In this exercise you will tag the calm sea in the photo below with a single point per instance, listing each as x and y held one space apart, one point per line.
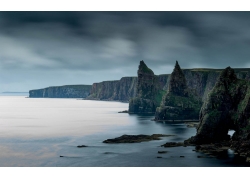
36 132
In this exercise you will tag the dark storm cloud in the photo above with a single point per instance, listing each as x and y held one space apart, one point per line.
87 47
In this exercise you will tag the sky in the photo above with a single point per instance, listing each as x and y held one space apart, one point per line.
41 49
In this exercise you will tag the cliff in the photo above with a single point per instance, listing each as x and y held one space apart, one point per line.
202 80
67 91
227 107
180 102
199 80
103 90
125 89
148 91
121 90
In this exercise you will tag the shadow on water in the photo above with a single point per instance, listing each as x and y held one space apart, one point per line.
145 123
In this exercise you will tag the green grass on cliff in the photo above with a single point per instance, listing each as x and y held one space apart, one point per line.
159 96
146 69
183 102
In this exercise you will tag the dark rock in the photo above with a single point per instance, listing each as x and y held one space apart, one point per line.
81 146
109 153
200 156
149 91
182 156
61 156
161 152
178 85
172 144
158 157
135 138
125 111
227 107
180 102
192 124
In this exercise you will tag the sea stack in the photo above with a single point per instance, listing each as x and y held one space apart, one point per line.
148 91
227 107
180 102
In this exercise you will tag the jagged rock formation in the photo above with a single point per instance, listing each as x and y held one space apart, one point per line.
180 102
68 91
177 84
227 107
148 91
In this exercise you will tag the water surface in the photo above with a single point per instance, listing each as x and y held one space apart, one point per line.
36 132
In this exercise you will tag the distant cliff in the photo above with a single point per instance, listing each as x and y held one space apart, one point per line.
67 91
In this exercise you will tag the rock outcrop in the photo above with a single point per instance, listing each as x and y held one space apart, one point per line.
148 91
180 102
227 107
135 138
68 91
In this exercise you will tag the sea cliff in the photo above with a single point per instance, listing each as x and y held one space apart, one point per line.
180 102
149 91
67 91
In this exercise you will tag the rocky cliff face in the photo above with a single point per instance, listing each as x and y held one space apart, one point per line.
180 102
164 81
125 89
121 90
68 91
103 90
203 80
227 107
148 91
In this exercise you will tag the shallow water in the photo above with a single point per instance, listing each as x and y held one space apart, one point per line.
36 132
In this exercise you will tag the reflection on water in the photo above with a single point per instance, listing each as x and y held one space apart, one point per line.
46 132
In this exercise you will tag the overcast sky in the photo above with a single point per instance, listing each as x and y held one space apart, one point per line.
41 49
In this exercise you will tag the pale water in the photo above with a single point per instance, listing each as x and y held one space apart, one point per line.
36 132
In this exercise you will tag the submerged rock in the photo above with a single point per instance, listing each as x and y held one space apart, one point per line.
161 152
173 144
81 146
125 111
135 138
